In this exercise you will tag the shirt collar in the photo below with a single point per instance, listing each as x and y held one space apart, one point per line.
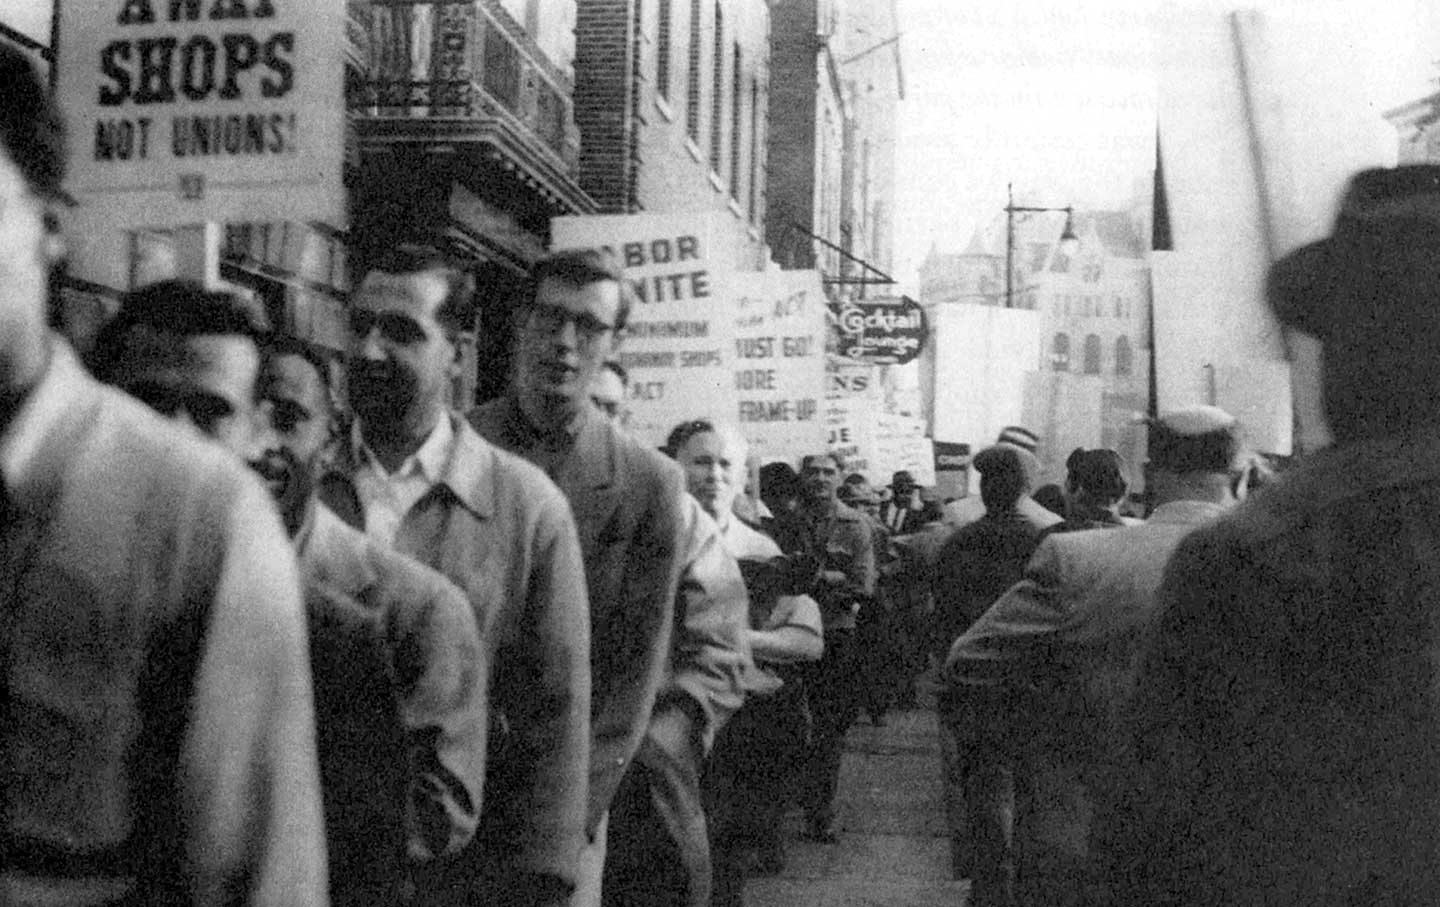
466 464
429 459
591 433
35 444
530 434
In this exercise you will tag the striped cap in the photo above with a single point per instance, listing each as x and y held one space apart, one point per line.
1018 436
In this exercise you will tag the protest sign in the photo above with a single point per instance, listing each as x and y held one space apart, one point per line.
678 344
900 443
779 363
186 111
852 400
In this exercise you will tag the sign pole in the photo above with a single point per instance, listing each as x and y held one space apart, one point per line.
197 253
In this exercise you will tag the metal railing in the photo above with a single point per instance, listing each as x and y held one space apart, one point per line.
461 59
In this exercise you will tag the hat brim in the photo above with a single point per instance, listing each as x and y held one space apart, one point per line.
1300 288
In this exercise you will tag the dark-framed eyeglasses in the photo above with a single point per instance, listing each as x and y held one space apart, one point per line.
394 326
550 319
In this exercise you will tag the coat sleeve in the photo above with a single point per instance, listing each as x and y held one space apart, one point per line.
442 677
639 637
711 653
993 670
549 711
249 773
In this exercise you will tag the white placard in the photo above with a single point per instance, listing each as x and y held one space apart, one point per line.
900 443
852 401
779 364
679 341
186 111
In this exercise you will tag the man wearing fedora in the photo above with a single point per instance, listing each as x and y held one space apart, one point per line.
1288 713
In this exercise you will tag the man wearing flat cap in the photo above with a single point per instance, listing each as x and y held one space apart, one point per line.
1288 713
967 510
978 563
1045 674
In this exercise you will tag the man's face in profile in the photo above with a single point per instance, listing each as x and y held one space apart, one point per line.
207 382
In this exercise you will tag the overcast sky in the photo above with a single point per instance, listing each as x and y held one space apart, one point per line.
1059 98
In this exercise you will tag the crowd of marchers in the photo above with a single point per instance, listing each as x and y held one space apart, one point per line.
285 627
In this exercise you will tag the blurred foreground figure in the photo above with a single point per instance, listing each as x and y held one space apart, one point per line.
1288 716
156 719
1045 676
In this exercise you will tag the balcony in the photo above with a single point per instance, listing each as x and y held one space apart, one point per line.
462 74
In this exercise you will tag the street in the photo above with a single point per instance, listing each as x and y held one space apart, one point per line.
893 850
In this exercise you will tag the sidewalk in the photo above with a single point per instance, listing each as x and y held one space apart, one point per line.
893 850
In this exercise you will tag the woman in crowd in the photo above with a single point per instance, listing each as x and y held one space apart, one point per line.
746 777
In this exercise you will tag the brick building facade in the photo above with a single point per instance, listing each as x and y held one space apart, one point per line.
671 99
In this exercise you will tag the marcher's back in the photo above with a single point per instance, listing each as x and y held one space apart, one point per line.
1289 714
127 627
1310 700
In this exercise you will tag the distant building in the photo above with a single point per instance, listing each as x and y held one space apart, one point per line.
1092 374
1417 127
806 136
873 84
671 101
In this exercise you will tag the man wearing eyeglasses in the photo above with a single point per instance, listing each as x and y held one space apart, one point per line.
651 693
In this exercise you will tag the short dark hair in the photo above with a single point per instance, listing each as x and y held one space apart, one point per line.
31 128
1097 472
827 455
778 481
179 308
581 267
682 433
457 309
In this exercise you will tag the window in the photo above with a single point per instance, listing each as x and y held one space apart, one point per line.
502 68
692 76
1092 271
1060 353
754 148
1124 358
736 106
717 94
1092 354
662 51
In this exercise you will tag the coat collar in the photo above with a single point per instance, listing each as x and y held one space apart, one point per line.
467 470
590 444
41 439
1335 475
333 552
